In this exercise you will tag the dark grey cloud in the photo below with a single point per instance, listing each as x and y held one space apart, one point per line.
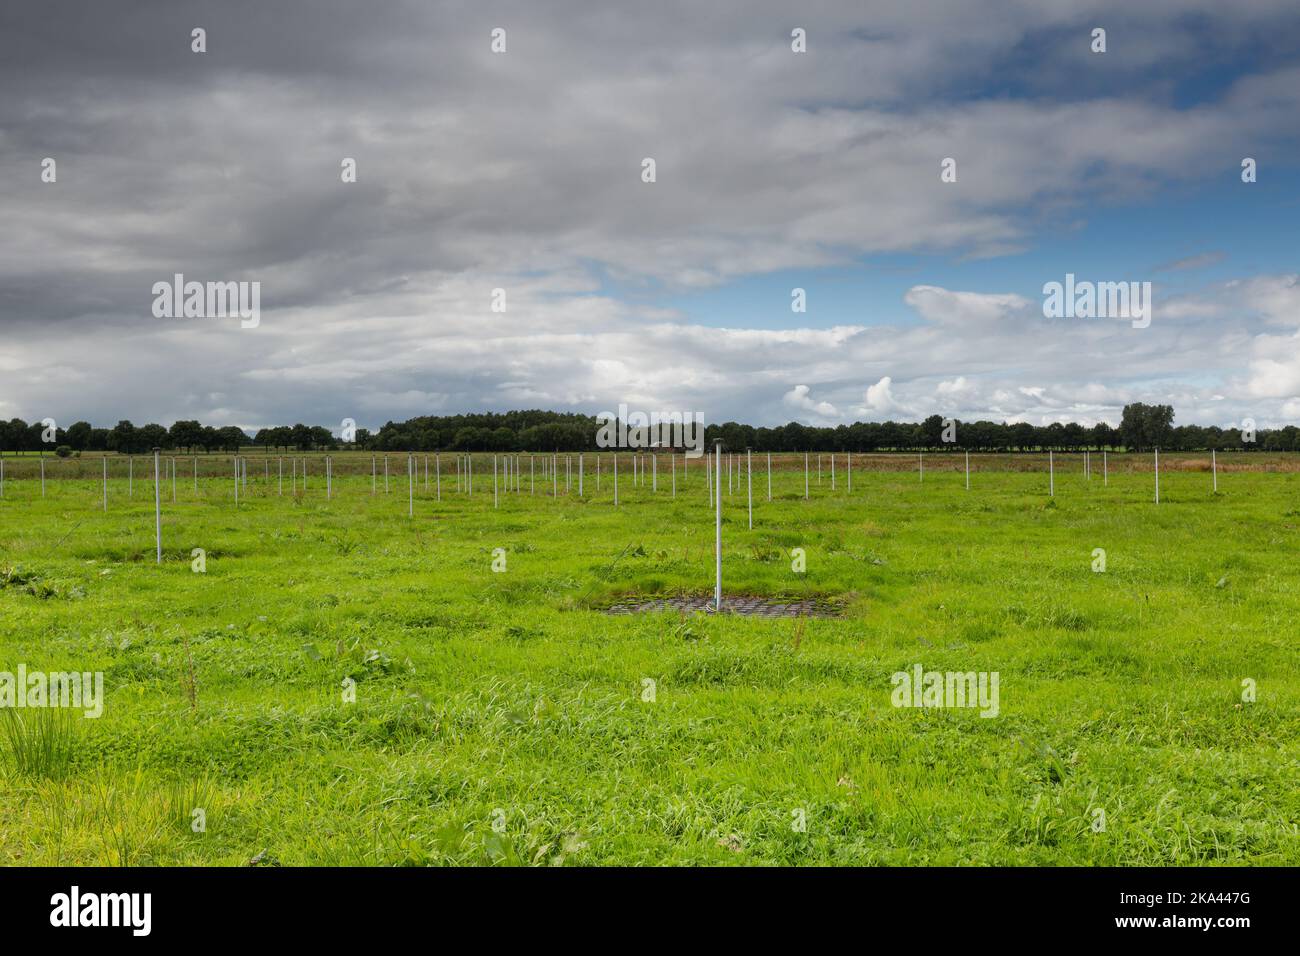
522 171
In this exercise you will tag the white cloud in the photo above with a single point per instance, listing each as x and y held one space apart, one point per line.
878 399
800 399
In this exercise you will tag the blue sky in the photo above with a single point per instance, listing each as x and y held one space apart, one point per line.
1183 237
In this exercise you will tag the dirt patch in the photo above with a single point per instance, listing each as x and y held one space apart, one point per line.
744 606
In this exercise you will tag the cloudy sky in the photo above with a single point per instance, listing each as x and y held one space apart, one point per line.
522 171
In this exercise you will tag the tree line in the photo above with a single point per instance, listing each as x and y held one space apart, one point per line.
190 436
1142 428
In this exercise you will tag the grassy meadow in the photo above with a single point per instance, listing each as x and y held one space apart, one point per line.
500 716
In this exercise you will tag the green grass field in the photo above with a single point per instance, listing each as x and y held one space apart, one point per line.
499 716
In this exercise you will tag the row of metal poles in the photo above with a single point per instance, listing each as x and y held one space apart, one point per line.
512 472
511 467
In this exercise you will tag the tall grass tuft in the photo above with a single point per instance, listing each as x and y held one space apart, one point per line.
37 743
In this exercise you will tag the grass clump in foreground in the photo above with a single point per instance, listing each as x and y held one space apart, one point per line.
500 717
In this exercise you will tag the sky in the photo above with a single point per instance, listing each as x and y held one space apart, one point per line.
775 170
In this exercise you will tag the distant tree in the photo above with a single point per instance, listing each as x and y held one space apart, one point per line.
1143 427
932 432
548 437
1160 424
151 436
13 434
1103 436
79 435
186 434
231 438
36 437
1023 435
122 438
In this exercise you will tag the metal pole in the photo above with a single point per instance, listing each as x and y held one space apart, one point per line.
410 485
968 471
717 547
769 476
236 463
1157 476
494 481
615 479
805 473
157 506
437 473
1051 475
105 460
749 478
1214 467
